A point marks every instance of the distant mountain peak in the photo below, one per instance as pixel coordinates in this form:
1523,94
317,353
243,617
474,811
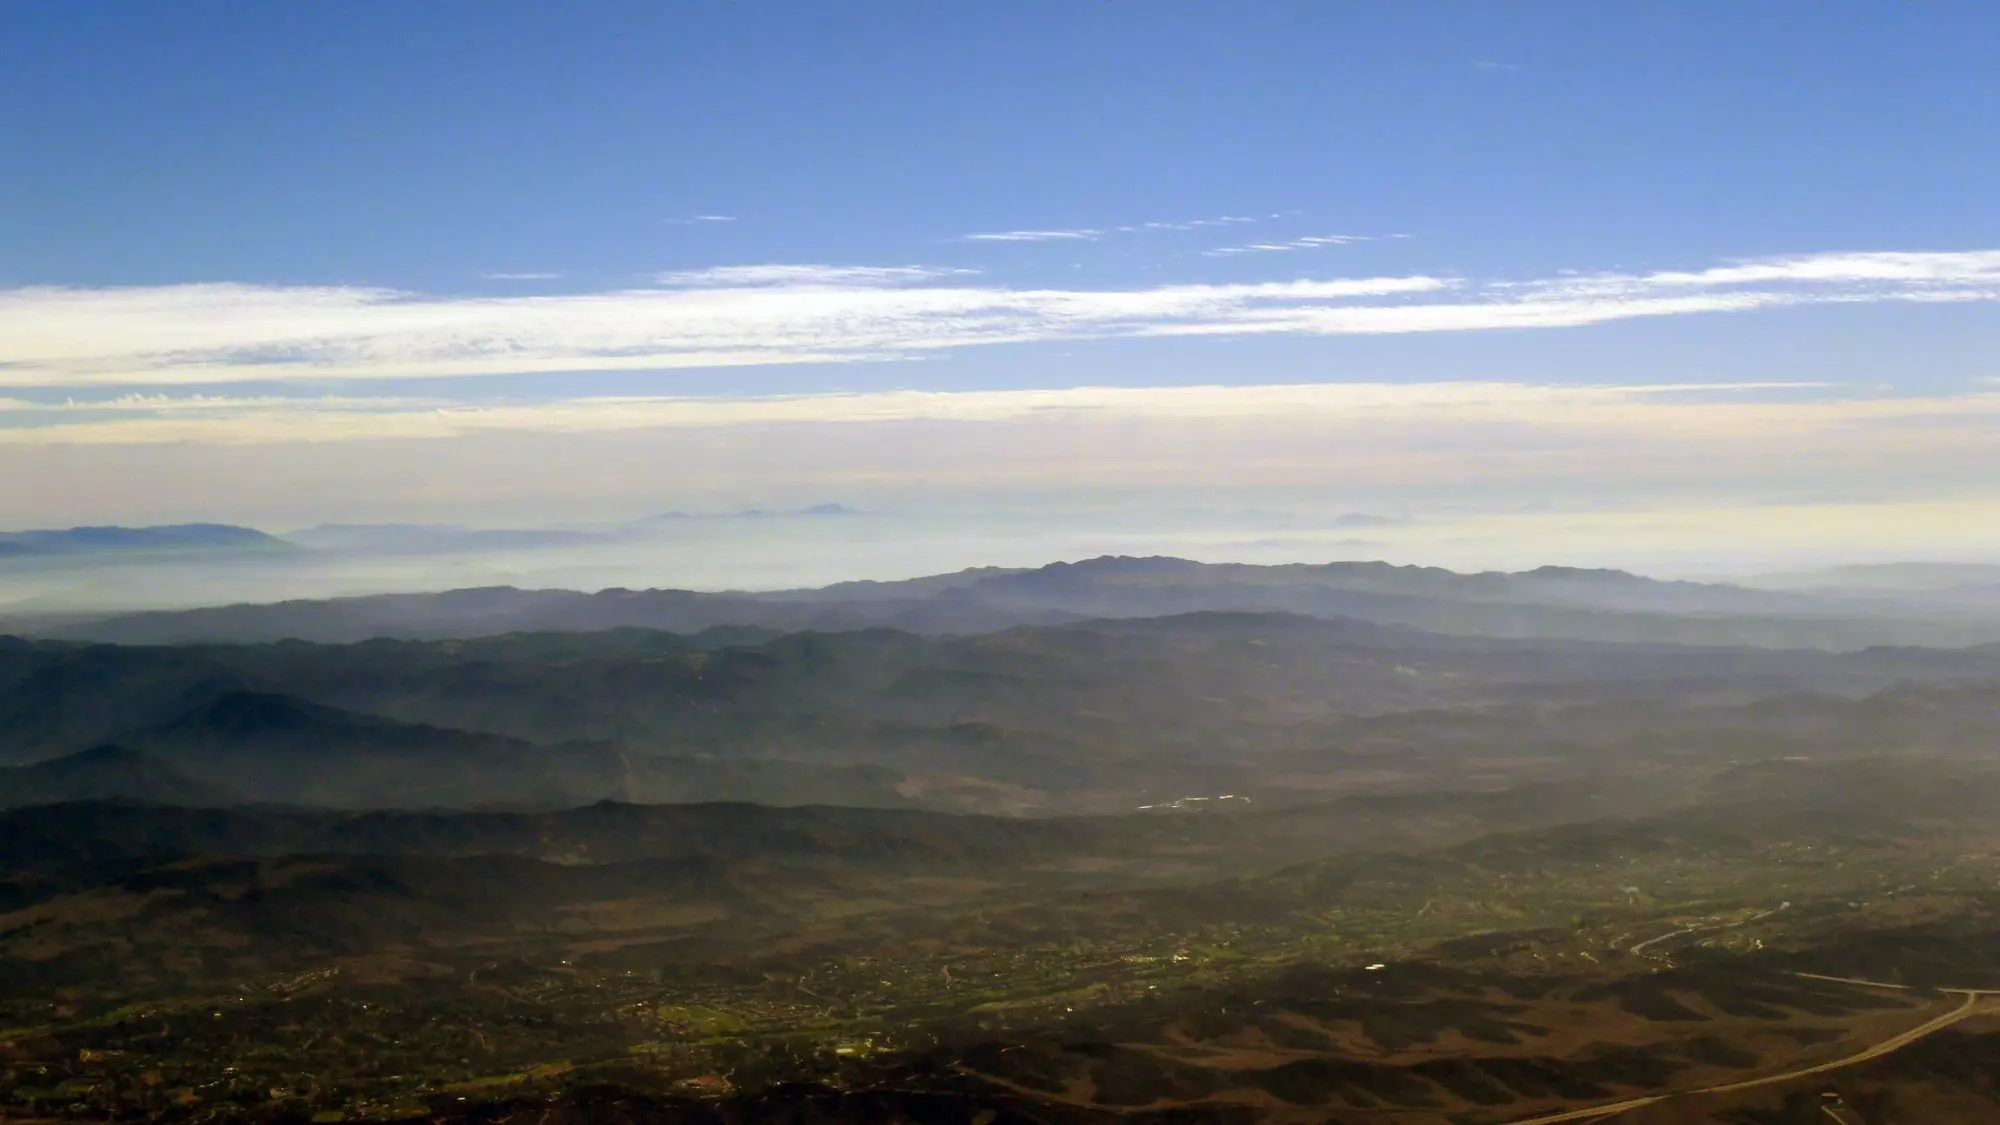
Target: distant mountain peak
1128,564
1597,574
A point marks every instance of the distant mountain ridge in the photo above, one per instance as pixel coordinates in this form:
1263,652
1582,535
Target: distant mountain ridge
114,540
1548,602
389,539
107,773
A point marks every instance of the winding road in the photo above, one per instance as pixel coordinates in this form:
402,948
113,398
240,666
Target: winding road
1703,927
1971,1007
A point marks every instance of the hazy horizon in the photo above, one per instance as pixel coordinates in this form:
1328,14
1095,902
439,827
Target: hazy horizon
1613,291
727,551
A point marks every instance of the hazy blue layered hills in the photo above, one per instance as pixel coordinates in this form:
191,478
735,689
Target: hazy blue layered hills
108,543
1900,576
492,611
1102,715
137,540
1550,602
1917,588
1120,580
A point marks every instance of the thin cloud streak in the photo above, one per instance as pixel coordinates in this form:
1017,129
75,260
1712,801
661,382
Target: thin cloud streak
1308,242
805,314
1078,235
732,277
1697,413
167,404
1092,234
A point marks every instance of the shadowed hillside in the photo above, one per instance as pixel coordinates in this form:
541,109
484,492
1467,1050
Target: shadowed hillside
1095,716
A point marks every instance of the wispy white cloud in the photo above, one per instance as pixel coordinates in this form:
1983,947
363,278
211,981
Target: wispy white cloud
1186,224
1306,242
1492,67
1740,419
240,333
733,277
1192,224
1092,234
777,314
692,219
1981,267
170,404
1079,234
526,276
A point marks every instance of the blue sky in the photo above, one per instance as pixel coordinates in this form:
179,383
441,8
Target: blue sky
423,145
407,230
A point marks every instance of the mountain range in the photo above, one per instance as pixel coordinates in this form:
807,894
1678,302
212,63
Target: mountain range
1125,839
175,538
1550,602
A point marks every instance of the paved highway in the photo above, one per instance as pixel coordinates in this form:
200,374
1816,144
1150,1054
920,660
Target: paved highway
1971,1007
